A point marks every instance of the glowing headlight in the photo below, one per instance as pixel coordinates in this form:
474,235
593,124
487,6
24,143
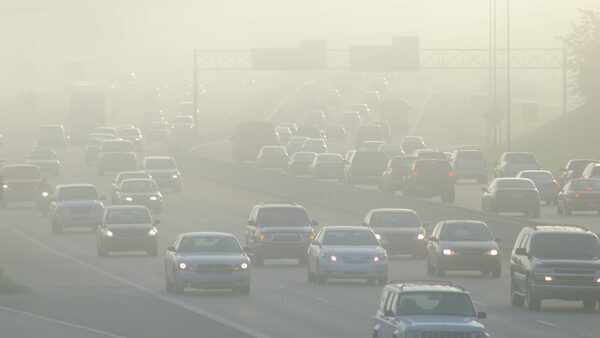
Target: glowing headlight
44,194
598,280
153,232
448,252
376,259
109,233
492,252
175,176
4,186
333,258
548,278
183,266
311,237
129,199
378,236
420,237
261,237
153,198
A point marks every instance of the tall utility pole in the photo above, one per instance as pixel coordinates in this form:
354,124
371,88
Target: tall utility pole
195,94
494,77
490,83
508,100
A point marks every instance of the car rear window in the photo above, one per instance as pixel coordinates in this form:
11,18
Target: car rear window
304,156
520,158
565,246
117,146
183,120
538,176
369,159
469,155
394,219
515,184
28,172
398,162
432,167
329,158
282,217
476,232
578,166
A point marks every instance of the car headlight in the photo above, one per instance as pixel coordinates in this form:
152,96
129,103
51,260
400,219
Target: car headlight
378,236
183,266
421,237
377,259
153,198
261,237
5,187
449,252
153,232
129,199
45,194
241,267
175,176
492,252
311,237
108,233
333,258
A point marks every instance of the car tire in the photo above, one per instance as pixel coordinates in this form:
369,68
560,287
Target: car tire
534,302
590,304
515,298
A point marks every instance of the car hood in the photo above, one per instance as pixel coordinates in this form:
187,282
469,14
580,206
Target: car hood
442,322
353,250
213,258
163,172
468,245
567,263
278,230
129,226
78,203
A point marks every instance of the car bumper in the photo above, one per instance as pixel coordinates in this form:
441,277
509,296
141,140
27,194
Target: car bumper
515,205
565,292
353,271
130,243
470,263
287,250
223,280
583,206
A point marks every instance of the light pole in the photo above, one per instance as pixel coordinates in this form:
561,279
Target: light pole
508,100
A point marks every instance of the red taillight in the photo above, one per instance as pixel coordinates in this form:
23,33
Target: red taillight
576,194
450,174
589,189
415,173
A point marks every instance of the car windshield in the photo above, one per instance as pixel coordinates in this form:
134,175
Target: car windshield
127,176
369,160
472,232
432,167
538,176
21,173
515,184
139,186
42,155
520,158
435,303
304,156
160,163
565,246
128,216
350,237
398,162
77,193
209,244
579,185
394,219
469,155
282,217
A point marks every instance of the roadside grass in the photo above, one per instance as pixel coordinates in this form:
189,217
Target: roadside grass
10,287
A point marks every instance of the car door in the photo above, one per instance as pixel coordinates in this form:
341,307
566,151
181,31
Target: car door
520,269
388,316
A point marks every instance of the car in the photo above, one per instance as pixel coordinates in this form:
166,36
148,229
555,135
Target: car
53,136
120,177
347,252
351,120
157,132
105,130
372,145
366,167
283,134
46,160
292,126
469,164
392,179
164,171
277,230
328,166
544,182
399,231
315,117
207,260
75,205
592,170
335,132
430,154
371,98
21,182
363,110
509,194
295,144
510,163
250,137
573,169
315,145
463,245
310,132
427,309
92,146
140,191
412,143
272,157
183,126
115,146
300,162
116,162
367,132
430,178
391,149
127,228
555,262
134,135
579,194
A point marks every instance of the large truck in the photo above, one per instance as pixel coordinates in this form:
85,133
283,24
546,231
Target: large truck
89,108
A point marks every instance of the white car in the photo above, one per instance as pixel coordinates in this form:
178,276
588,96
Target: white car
347,252
469,164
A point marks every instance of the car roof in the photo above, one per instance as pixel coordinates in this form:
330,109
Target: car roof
279,205
392,209
137,179
511,179
560,228
18,165
206,233
75,185
426,286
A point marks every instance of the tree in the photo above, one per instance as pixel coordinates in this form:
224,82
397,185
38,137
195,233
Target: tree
583,45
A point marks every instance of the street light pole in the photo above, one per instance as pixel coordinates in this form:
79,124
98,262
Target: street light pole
508,98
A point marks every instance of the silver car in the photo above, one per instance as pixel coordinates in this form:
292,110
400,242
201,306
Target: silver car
124,175
127,228
140,191
207,260
75,205
164,171
347,252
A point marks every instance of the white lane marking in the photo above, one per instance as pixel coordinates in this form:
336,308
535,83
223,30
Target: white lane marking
57,321
173,301
546,323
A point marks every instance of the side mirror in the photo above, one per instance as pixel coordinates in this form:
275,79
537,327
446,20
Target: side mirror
314,223
481,315
389,313
498,240
521,252
171,249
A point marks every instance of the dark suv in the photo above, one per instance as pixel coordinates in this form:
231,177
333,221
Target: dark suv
429,178
279,230
555,262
